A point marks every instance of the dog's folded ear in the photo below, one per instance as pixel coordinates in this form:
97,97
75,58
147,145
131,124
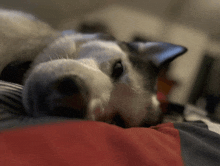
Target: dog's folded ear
157,52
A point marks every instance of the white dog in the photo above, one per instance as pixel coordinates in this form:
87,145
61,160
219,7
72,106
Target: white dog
85,76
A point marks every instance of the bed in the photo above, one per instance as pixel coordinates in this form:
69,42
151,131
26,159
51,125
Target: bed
25,140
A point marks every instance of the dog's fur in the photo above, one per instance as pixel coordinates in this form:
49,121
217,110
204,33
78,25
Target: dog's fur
86,76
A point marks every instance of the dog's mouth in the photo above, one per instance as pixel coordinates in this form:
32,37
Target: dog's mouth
118,121
72,111
68,112
69,106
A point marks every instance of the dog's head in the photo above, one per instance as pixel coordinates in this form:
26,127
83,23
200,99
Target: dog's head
94,77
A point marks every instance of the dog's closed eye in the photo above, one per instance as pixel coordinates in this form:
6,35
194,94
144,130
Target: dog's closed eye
117,70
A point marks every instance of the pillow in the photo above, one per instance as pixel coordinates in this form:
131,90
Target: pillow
63,142
98,143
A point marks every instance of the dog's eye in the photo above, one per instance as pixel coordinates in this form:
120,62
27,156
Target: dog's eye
117,70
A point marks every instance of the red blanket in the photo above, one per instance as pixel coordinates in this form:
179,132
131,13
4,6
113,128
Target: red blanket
90,143
97,143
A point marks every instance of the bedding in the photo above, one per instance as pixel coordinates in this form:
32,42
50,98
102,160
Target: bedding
26,140
98,143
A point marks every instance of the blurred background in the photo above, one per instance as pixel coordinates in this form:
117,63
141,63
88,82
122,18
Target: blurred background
193,78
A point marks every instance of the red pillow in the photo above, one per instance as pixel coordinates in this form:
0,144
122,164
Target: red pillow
90,143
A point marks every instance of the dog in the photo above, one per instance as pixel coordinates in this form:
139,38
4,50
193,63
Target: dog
84,76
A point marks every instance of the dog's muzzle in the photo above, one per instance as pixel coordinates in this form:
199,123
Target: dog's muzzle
67,88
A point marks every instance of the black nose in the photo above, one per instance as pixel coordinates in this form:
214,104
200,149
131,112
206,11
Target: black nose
70,85
74,96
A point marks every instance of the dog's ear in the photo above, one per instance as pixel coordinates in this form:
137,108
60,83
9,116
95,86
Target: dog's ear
158,53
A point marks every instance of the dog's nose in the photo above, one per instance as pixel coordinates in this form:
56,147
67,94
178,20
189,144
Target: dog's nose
73,98
70,85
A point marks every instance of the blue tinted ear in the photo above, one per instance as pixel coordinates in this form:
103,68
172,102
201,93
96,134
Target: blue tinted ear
157,52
